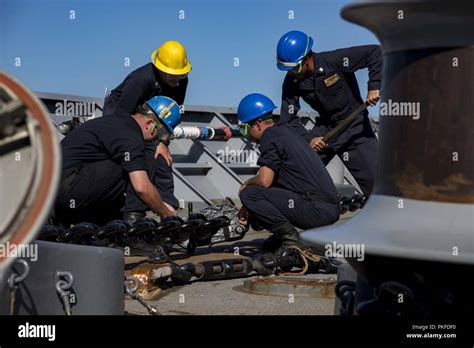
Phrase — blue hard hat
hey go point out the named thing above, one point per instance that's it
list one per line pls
(292, 48)
(253, 106)
(167, 111)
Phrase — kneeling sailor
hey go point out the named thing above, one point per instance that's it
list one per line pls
(292, 188)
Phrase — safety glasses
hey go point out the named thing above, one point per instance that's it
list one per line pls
(244, 129)
(297, 68)
(161, 129)
(175, 77)
(155, 126)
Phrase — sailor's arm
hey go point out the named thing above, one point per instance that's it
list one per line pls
(181, 93)
(290, 100)
(134, 92)
(163, 147)
(149, 194)
(264, 178)
(363, 57)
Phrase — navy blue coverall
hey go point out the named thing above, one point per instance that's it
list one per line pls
(333, 92)
(302, 193)
(139, 86)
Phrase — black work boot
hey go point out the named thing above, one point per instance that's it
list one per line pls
(132, 217)
(289, 237)
(272, 243)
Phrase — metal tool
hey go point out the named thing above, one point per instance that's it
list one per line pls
(131, 287)
(345, 122)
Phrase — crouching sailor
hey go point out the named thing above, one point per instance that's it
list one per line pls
(105, 169)
(292, 187)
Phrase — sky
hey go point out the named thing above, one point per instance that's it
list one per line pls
(81, 47)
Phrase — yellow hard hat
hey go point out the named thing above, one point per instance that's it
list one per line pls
(171, 58)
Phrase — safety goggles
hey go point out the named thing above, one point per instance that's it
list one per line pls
(296, 67)
(179, 77)
(244, 128)
(161, 129)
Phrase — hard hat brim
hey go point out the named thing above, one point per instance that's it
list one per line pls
(160, 66)
(284, 68)
(260, 114)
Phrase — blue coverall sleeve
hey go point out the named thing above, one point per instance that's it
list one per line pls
(290, 100)
(361, 57)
